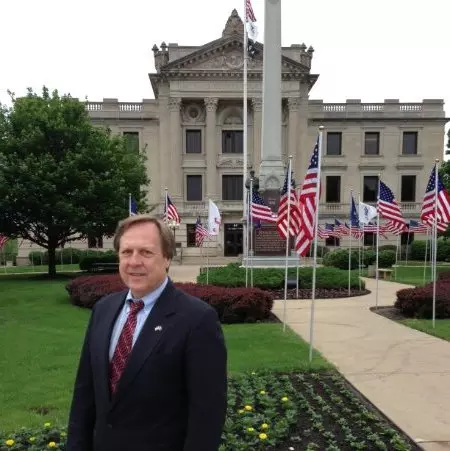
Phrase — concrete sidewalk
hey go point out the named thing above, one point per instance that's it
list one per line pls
(404, 372)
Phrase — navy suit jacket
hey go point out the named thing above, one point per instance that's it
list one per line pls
(172, 395)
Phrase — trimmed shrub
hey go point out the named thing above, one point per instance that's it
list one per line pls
(418, 250)
(339, 259)
(418, 302)
(369, 258)
(233, 275)
(387, 247)
(86, 263)
(233, 305)
(386, 259)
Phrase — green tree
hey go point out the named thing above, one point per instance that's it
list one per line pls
(447, 152)
(62, 178)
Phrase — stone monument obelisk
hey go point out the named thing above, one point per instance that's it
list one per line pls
(268, 243)
(272, 167)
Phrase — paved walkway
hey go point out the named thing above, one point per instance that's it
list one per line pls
(404, 372)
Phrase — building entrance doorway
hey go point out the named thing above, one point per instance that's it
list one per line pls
(233, 239)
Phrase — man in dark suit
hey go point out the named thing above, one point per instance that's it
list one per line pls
(153, 369)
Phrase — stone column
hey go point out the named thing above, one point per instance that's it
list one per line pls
(175, 183)
(293, 106)
(211, 151)
(272, 166)
(257, 127)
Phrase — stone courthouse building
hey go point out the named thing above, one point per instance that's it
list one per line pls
(193, 135)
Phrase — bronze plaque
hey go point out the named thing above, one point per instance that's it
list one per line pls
(268, 241)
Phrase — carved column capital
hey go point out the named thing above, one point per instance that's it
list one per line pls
(174, 104)
(257, 104)
(293, 103)
(211, 104)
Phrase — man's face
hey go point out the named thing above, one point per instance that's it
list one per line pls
(142, 265)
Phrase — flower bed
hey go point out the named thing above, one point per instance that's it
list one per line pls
(277, 412)
(233, 305)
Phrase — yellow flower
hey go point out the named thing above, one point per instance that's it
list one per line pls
(262, 436)
(47, 425)
(284, 399)
(241, 411)
(250, 429)
(248, 408)
(10, 442)
(32, 439)
(264, 426)
(262, 392)
(52, 445)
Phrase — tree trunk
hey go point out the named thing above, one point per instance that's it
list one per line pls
(51, 261)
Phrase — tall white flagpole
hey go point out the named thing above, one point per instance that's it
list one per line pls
(436, 175)
(361, 237)
(425, 262)
(350, 249)
(288, 235)
(407, 243)
(316, 222)
(245, 114)
(251, 234)
(247, 218)
(378, 239)
(129, 204)
(166, 212)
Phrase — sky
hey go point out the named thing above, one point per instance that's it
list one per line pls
(369, 50)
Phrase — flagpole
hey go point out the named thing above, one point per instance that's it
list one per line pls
(350, 235)
(407, 242)
(288, 235)
(425, 262)
(247, 218)
(251, 234)
(245, 143)
(166, 210)
(359, 244)
(129, 204)
(316, 222)
(377, 238)
(396, 257)
(298, 262)
(436, 186)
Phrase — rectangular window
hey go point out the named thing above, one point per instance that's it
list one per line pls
(194, 188)
(232, 141)
(370, 188)
(334, 143)
(372, 143)
(232, 188)
(132, 141)
(333, 188)
(193, 141)
(409, 143)
(406, 239)
(190, 231)
(370, 239)
(332, 241)
(408, 193)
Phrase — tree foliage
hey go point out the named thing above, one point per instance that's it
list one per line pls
(62, 178)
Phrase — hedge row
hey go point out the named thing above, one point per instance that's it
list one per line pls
(237, 305)
(339, 258)
(418, 302)
(67, 256)
(233, 275)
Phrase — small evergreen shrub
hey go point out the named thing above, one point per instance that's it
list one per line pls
(386, 259)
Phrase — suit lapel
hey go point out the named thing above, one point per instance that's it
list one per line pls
(102, 343)
(152, 332)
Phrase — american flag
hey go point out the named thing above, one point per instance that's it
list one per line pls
(443, 203)
(170, 211)
(389, 208)
(331, 231)
(3, 240)
(259, 210)
(342, 229)
(282, 219)
(307, 202)
(133, 208)
(249, 11)
(322, 233)
(417, 227)
(200, 233)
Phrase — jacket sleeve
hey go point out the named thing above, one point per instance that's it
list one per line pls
(82, 412)
(206, 372)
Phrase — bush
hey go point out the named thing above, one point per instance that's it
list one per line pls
(386, 259)
(418, 250)
(233, 305)
(387, 247)
(418, 302)
(233, 275)
(339, 259)
(443, 275)
(369, 258)
(106, 257)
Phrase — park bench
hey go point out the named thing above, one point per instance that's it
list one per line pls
(386, 273)
(104, 266)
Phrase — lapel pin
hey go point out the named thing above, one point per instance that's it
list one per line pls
(158, 329)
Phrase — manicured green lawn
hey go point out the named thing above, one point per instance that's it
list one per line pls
(414, 275)
(41, 336)
(442, 329)
(36, 268)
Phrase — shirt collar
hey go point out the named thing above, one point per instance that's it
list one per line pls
(150, 298)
